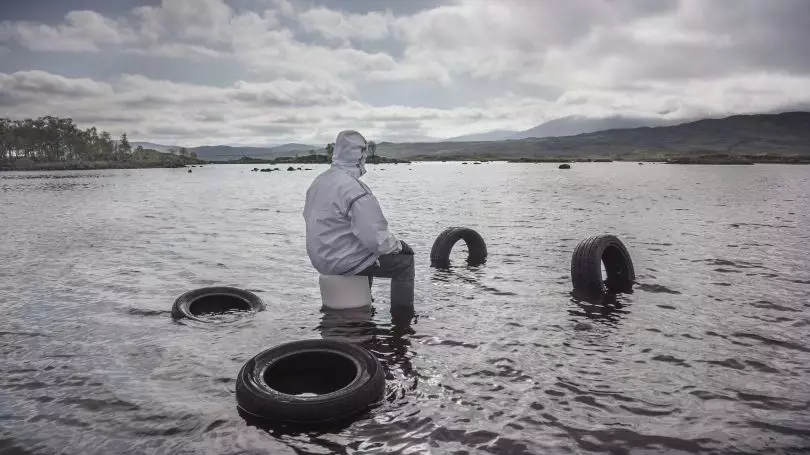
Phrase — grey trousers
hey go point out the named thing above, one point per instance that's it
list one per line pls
(398, 267)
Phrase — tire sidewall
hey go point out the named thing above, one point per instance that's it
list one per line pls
(182, 305)
(257, 399)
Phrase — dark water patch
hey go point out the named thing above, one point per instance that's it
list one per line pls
(773, 403)
(740, 264)
(648, 412)
(622, 440)
(97, 405)
(761, 366)
(764, 304)
(22, 370)
(30, 385)
(23, 334)
(590, 401)
(760, 225)
(787, 430)
(728, 363)
(670, 359)
(771, 341)
(453, 343)
(67, 421)
(722, 270)
(147, 313)
(656, 289)
(763, 274)
(707, 396)
(655, 243)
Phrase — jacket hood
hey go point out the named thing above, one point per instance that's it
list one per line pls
(350, 153)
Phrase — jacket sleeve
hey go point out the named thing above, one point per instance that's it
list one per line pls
(370, 226)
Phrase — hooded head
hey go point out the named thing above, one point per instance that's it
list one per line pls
(350, 153)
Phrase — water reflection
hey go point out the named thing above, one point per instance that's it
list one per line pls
(351, 325)
(474, 278)
(390, 343)
(607, 308)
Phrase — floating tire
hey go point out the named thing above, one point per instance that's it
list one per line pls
(310, 382)
(440, 253)
(196, 304)
(586, 270)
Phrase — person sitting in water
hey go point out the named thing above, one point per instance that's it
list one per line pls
(347, 233)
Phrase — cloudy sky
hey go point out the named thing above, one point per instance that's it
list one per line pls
(259, 72)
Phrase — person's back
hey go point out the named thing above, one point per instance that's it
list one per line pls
(347, 233)
(346, 230)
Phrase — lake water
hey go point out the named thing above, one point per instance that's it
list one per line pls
(711, 353)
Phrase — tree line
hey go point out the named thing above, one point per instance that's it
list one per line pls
(55, 139)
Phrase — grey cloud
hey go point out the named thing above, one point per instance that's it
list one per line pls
(289, 93)
(265, 128)
(214, 117)
(42, 84)
(398, 7)
(735, 37)
(771, 34)
(82, 31)
(246, 69)
(93, 118)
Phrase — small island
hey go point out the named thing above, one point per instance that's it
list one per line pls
(53, 143)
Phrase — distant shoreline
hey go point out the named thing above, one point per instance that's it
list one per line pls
(89, 166)
(308, 159)
(322, 159)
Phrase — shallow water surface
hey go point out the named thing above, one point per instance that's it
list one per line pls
(709, 354)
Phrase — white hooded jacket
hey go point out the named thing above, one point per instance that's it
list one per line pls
(346, 229)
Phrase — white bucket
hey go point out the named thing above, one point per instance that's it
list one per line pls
(341, 292)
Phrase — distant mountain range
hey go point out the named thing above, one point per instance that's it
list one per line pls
(497, 135)
(574, 125)
(785, 133)
(565, 126)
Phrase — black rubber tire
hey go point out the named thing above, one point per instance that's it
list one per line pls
(440, 253)
(256, 398)
(243, 299)
(586, 270)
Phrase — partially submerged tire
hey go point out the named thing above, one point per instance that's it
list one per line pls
(310, 382)
(586, 270)
(199, 303)
(440, 253)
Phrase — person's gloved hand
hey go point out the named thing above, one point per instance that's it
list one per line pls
(406, 249)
